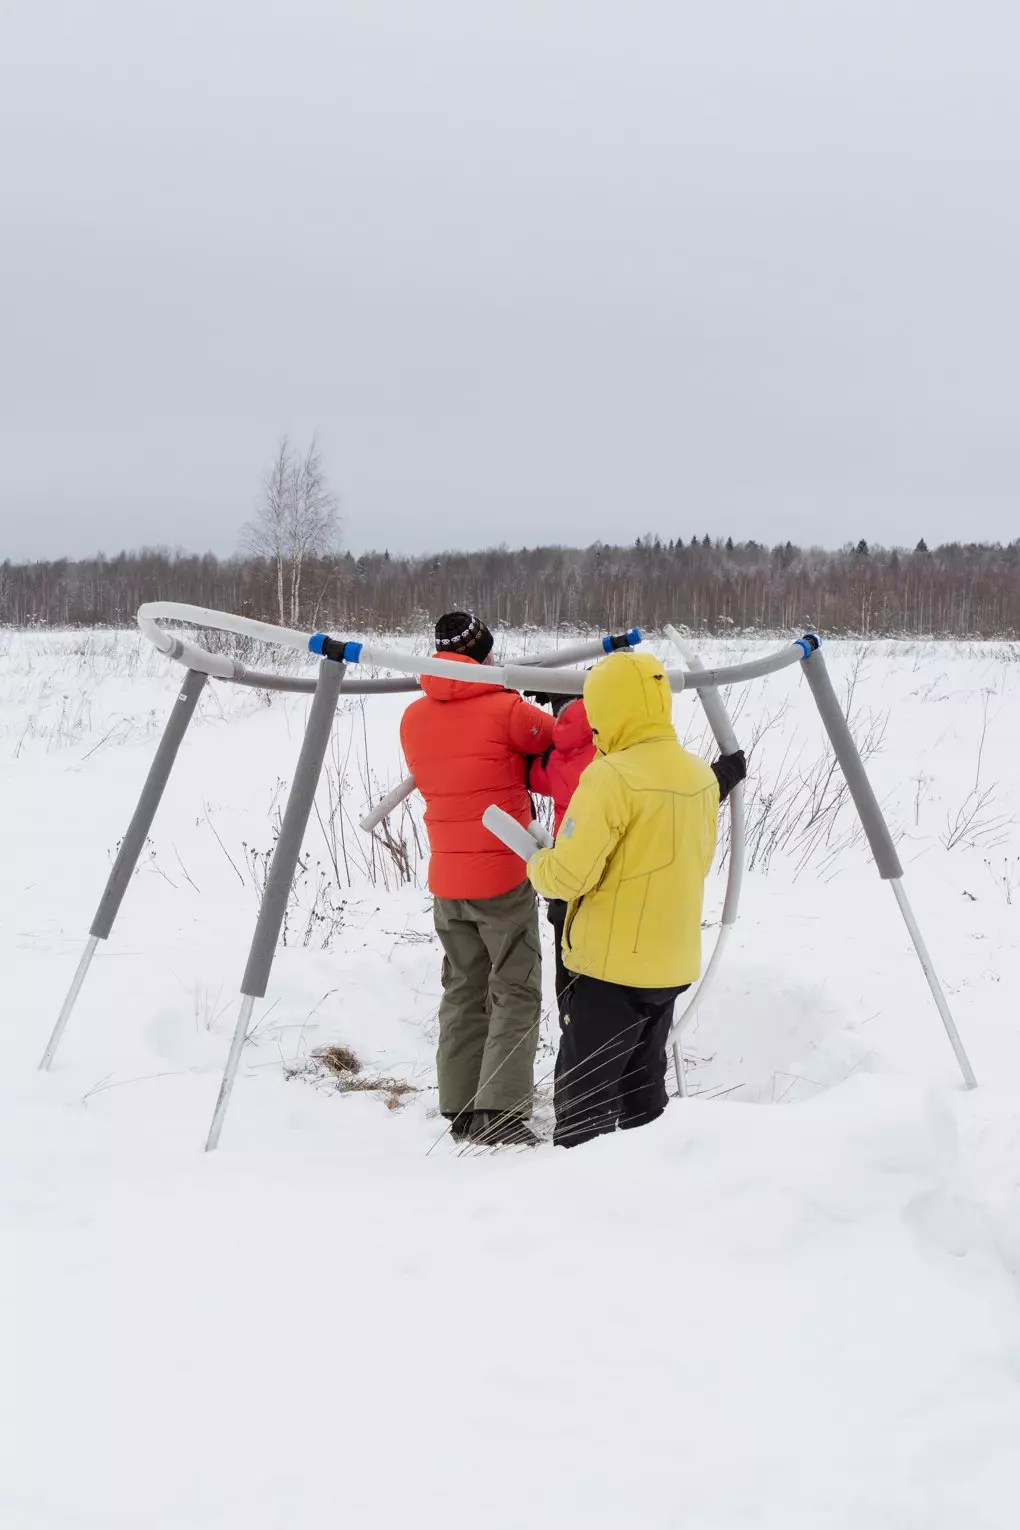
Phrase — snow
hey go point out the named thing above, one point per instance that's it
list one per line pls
(792, 1302)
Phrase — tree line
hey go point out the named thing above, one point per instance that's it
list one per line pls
(714, 585)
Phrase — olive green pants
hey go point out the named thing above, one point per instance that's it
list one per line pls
(492, 1001)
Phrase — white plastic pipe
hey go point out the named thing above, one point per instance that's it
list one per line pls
(515, 677)
(726, 738)
(154, 611)
(385, 806)
(218, 621)
(567, 682)
(514, 835)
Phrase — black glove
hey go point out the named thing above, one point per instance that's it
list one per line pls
(729, 769)
(538, 697)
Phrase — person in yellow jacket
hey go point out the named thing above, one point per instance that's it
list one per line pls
(630, 859)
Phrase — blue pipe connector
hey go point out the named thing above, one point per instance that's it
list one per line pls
(623, 640)
(337, 649)
(808, 644)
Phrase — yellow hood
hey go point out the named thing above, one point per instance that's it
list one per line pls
(628, 700)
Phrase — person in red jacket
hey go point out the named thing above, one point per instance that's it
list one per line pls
(467, 745)
(555, 774)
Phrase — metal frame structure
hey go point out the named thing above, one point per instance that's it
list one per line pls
(333, 680)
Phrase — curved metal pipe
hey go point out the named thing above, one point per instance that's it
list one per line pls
(725, 736)
(304, 685)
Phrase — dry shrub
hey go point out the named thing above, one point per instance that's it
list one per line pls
(339, 1060)
(341, 1069)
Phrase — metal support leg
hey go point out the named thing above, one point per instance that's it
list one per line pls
(69, 1002)
(281, 874)
(875, 827)
(937, 994)
(132, 844)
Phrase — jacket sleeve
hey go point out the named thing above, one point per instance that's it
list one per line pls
(729, 770)
(590, 832)
(531, 729)
(538, 774)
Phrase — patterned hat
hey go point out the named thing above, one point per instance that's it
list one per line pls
(463, 632)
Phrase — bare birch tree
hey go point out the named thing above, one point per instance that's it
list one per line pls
(298, 519)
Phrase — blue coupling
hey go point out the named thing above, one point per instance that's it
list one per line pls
(337, 649)
(808, 644)
(623, 641)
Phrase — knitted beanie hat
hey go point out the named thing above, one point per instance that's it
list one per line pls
(463, 632)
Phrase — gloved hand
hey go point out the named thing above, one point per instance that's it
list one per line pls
(540, 834)
(729, 769)
(540, 698)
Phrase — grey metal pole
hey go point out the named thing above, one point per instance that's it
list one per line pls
(281, 874)
(881, 841)
(132, 844)
(861, 790)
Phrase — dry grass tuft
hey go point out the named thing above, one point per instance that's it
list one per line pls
(341, 1070)
(339, 1060)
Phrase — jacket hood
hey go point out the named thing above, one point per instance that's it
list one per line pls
(628, 700)
(573, 730)
(439, 688)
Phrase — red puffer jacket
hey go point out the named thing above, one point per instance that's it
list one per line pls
(557, 773)
(467, 745)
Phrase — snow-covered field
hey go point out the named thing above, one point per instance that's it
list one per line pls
(794, 1302)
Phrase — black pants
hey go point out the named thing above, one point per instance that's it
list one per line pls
(611, 1069)
(557, 916)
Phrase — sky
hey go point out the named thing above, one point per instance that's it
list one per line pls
(534, 271)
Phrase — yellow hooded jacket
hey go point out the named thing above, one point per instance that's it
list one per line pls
(638, 837)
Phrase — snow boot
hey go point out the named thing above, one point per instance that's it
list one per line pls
(498, 1128)
(461, 1124)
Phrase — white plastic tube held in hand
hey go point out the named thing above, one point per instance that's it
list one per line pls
(514, 835)
(726, 738)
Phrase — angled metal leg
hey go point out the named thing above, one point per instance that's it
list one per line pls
(875, 827)
(281, 875)
(941, 1003)
(132, 844)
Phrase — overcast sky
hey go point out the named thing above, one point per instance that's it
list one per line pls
(535, 271)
